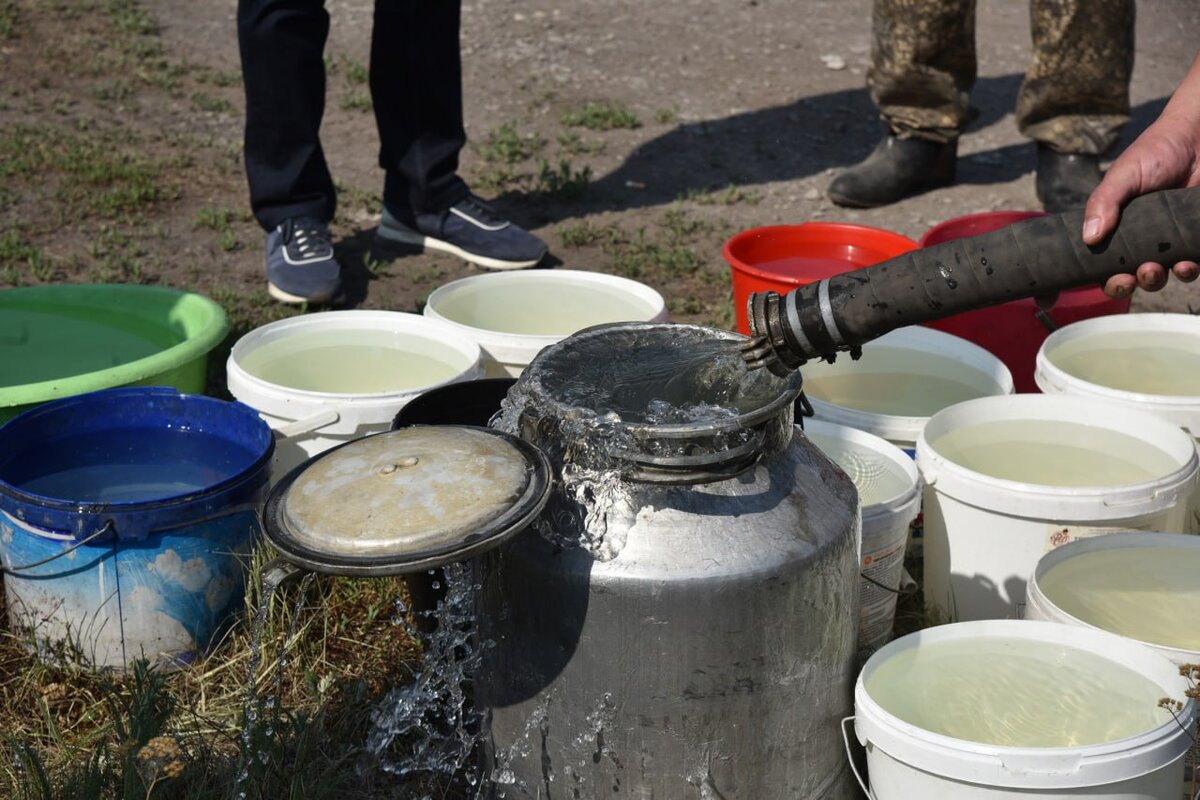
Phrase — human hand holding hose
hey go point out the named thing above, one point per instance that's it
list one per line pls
(1165, 156)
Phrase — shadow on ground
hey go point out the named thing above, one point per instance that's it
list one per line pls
(781, 143)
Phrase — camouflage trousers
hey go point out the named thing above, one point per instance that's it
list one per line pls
(1075, 96)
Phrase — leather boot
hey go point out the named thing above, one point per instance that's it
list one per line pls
(897, 169)
(1064, 180)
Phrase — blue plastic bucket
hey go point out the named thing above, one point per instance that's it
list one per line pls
(126, 517)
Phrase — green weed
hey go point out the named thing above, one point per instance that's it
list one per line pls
(356, 73)
(214, 218)
(563, 181)
(601, 115)
(357, 101)
(506, 145)
(571, 143)
(664, 116)
(206, 102)
(10, 19)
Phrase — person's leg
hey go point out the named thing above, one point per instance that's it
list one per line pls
(1075, 97)
(416, 86)
(923, 66)
(282, 44)
(921, 74)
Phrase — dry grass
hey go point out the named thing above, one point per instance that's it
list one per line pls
(330, 650)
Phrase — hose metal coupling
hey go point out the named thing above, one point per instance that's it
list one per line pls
(768, 345)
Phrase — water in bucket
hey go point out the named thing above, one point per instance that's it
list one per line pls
(1054, 453)
(104, 468)
(900, 393)
(1134, 361)
(547, 307)
(1150, 594)
(1015, 692)
(350, 361)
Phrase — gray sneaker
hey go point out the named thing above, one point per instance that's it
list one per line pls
(300, 263)
(469, 229)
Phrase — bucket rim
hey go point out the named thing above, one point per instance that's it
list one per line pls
(927, 341)
(1053, 379)
(1036, 598)
(1121, 501)
(249, 382)
(199, 345)
(850, 229)
(135, 519)
(1029, 767)
(529, 344)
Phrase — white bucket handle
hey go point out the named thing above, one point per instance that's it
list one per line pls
(307, 425)
(850, 757)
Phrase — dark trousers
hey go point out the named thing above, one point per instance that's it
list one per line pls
(416, 90)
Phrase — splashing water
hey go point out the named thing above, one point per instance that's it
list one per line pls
(428, 729)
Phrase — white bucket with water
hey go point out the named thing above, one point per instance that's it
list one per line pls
(513, 315)
(1146, 362)
(943, 714)
(902, 379)
(889, 490)
(1142, 586)
(1008, 479)
(323, 379)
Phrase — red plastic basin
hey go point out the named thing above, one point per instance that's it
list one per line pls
(781, 257)
(1012, 331)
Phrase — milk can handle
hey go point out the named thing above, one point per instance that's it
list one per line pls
(850, 758)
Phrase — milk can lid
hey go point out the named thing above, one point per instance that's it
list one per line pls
(407, 500)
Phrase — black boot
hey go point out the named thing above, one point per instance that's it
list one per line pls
(897, 169)
(1064, 180)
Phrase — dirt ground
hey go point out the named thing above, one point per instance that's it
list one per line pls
(744, 110)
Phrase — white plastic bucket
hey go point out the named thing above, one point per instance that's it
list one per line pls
(1124, 339)
(513, 315)
(1042, 607)
(308, 422)
(890, 490)
(913, 351)
(907, 762)
(984, 535)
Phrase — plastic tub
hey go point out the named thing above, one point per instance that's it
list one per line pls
(323, 379)
(513, 315)
(889, 490)
(59, 341)
(142, 503)
(907, 761)
(779, 258)
(984, 535)
(848, 392)
(1013, 331)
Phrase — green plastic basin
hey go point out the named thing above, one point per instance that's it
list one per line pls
(58, 341)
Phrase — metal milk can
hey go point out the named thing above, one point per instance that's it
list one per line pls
(680, 620)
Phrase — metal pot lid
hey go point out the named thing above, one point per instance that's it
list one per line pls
(407, 500)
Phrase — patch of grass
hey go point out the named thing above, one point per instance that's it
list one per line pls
(583, 234)
(601, 115)
(214, 218)
(18, 255)
(357, 100)
(564, 181)
(10, 19)
(131, 17)
(216, 77)
(356, 73)
(507, 145)
(572, 144)
(202, 101)
(352, 199)
(329, 652)
(730, 195)
(665, 116)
